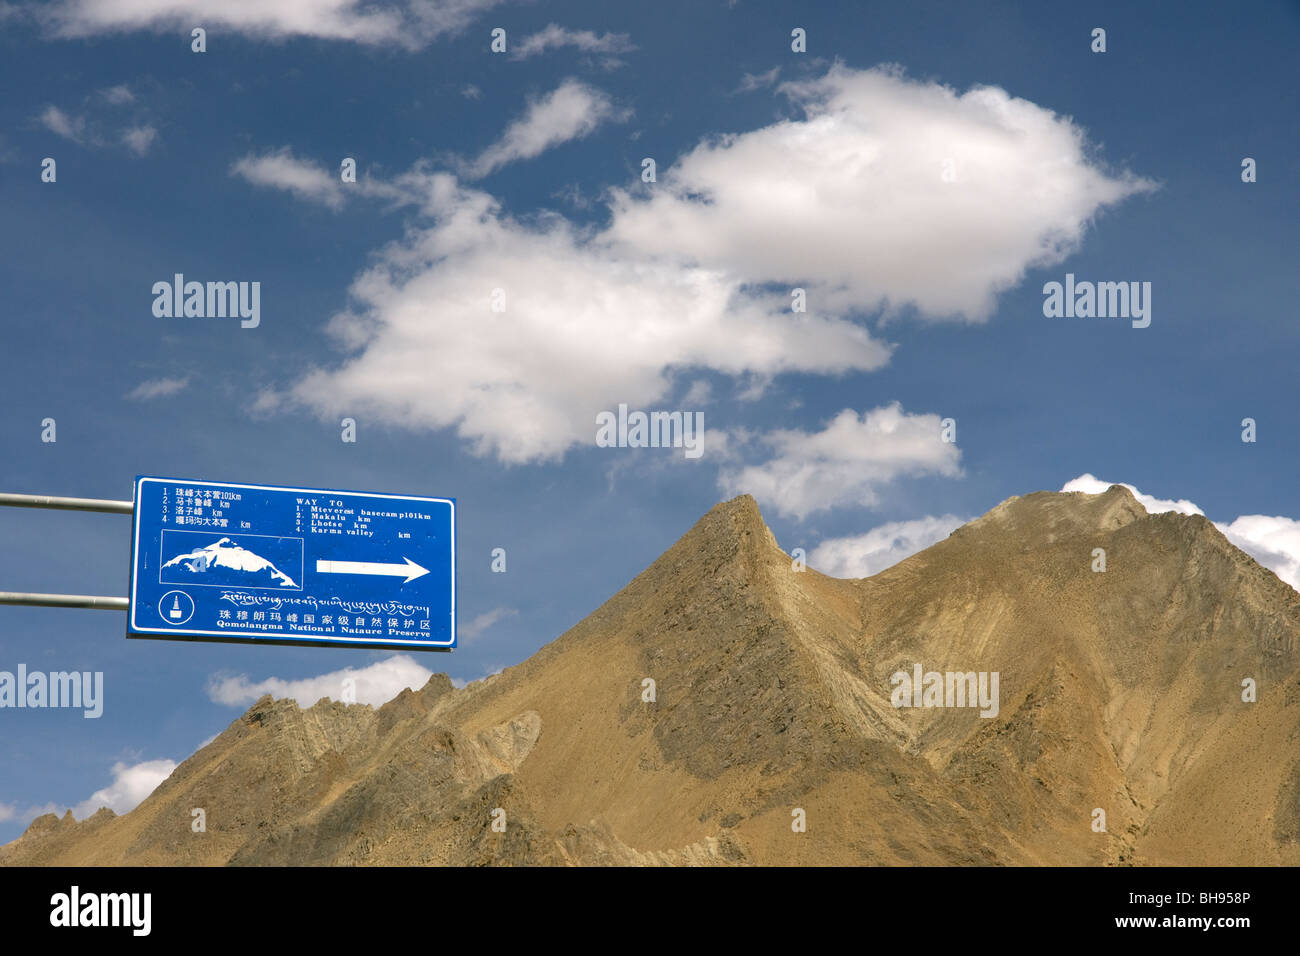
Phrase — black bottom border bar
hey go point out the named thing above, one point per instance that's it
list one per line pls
(968, 905)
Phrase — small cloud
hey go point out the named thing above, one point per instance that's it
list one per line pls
(140, 138)
(574, 196)
(757, 81)
(63, 124)
(376, 684)
(118, 95)
(1095, 486)
(282, 170)
(554, 36)
(9, 811)
(484, 621)
(571, 111)
(157, 388)
(882, 547)
(14, 11)
(131, 784)
(1272, 540)
(471, 92)
(407, 24)
(846, 463)
(700, 393)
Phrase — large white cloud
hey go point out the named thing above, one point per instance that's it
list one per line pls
(694, 275)
(570, 111)
(846, 462)
(1272, 540)
(583, 329)
(407, 23)
(375, 684)
(863, 555)
(852, 198)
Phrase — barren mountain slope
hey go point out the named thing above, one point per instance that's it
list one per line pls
(1119, 690)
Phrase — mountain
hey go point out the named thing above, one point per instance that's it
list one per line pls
(232, 557)
(1119, 690)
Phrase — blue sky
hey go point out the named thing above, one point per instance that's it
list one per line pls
(922, 170)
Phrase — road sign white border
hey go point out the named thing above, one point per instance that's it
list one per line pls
(288, 639)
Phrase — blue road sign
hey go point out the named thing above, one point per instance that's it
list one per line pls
(212, 561)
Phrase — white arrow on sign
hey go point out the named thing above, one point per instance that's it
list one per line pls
(410, 570)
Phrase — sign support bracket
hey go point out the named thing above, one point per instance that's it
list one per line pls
(32, 599)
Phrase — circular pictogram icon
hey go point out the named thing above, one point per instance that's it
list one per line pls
(176, 607)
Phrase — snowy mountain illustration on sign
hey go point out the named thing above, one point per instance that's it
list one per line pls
(226, 554)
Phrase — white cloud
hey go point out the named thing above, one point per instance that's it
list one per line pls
(471, 92)
(24, 815)
(846, 462)
(583, 330)
(131, 784)
(757, 81)
(63, 124)
(1095, 486)
(571, 111)
(484, 621)
(848, 201)
(554, 36)
(882, 547)
(90, 132)
(406, 23)
(280, 169)
(158, 388)
(118, 95)
(700, 393)
(375, 684)
(1272, 540)
(139, 139)
(851, 200)
(311, 181)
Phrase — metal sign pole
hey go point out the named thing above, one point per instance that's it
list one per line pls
(64, 600)
(68, 504)
(102, 505)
